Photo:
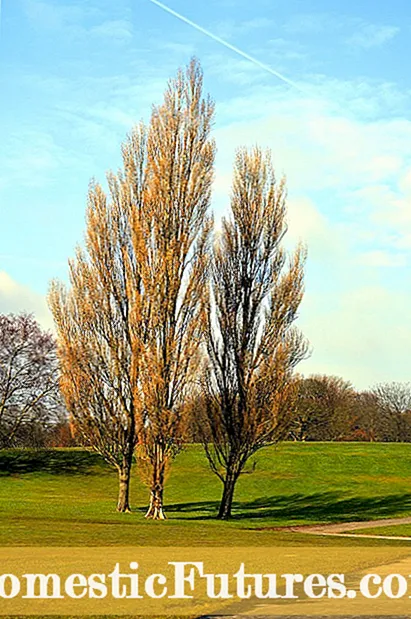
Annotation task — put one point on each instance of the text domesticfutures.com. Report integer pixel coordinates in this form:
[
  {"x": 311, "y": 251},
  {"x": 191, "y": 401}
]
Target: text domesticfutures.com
[{"x": 187, "y": 576}]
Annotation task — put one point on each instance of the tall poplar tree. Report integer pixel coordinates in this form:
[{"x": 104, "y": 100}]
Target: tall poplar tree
[
  {"x": 98, "y": 320},
  {"x": 252, "y": 344},
  {"x": 180, "y": 155}
]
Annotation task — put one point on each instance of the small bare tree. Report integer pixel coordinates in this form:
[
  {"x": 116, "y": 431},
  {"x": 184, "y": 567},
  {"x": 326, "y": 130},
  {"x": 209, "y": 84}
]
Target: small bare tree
[
  {"x": 373, "y": 422},
  {"x": 252, "y": 346},
  {"x": 325, "y": 409},
  {"x": 394, "y": 401},
  {"x": 394, "y": 397},
  {"x": 29, "y": 394},
  {"x": 306, "y": 415},
  {"x": 180, "y": 155}
]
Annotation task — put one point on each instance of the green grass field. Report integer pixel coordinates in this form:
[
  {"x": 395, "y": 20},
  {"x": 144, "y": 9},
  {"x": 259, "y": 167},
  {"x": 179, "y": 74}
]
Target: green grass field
[{"x": 291, "y": 484}]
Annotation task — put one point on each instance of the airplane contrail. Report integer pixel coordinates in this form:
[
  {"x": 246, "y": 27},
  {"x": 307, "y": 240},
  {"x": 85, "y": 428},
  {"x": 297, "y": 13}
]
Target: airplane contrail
[{"x": 233, "y": 48}]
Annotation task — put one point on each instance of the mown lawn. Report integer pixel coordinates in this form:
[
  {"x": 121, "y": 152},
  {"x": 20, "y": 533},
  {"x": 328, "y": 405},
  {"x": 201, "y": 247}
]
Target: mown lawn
[{"x": 292, "y": 484}]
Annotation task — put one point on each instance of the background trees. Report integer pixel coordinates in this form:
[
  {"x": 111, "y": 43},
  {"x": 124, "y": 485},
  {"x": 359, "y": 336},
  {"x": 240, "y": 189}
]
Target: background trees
[
  {"x": 394, "y": 397},
  {"x": 252, "y": 347},
  {"x": 393, "y": 402},
  {"x": 329, "y": 409},
  {"x": 325, "y": 409},
  {"x": 29, "y": 395},
  {"x": 373, "y": 423}
]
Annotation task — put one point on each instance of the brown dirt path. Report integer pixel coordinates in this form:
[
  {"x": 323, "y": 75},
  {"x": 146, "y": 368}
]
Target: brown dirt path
[{"x": 345, "y": 527}]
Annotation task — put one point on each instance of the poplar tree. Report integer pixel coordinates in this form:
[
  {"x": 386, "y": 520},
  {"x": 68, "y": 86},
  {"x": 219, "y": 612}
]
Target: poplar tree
[
  {"x": 98, "y": 321},
  {"x": 253, "y": 347},
  {"x": 180, "y": 155}
]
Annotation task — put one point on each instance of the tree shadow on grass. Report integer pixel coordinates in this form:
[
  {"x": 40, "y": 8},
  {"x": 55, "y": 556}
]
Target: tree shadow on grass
[{"x": 321, "y": 506}]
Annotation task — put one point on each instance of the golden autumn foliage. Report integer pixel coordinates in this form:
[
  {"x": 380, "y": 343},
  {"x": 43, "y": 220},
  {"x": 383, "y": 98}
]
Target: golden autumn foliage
[
  {"x": 98, "y": 322},
  {"x": 180, "y": 156}
]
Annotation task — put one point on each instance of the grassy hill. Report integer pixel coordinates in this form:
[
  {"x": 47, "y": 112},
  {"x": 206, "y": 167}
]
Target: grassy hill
[{"x": 68, "y": 497}]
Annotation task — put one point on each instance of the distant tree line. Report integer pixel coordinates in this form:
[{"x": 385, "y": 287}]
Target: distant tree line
[
  {"x": 329, "y": 409},
  {"x": 324, "y": 408}
]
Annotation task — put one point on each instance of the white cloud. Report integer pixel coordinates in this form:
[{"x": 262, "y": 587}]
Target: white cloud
[
  {"x": 307, "y": 224},
  {"x": 311, "y": 23},
  {"x": 389, "y": 206},
  {"x": 228, "y": 28},
  {"x": 363, "y": 35},
  {"x": 282, "y": 49},
  {"x": 16, "y": 298},
  {"x": 120, "y": 29},
  {"x": 365, "y": 336},
  {"x": 77, "y": 19},
  {"x": 405, "y": 183},
  {"x": 372, "y": 35},
  {"x": 32, "y": 157},
  {"x": 318, "y": 148},
  {"x": 380, "y": 258},
  {"x": 53, "y": 16}
]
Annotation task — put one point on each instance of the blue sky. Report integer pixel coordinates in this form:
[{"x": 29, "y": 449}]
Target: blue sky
[{"x": 75, "y": 77}]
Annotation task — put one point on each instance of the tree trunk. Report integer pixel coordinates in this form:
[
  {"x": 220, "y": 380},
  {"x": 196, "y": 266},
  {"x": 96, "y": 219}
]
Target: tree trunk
[
  {"x": 224, "y": 512},
  {"x": 124, "y": 474},
  {"x": 156, "y": 510}
]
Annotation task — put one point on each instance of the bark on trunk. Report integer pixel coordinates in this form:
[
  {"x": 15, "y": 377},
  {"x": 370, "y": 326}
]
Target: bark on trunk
[
  {"x": 124, "y": 474},
  {"x": 224, "y": 512},
  {"x": 156, "y": 509}
]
